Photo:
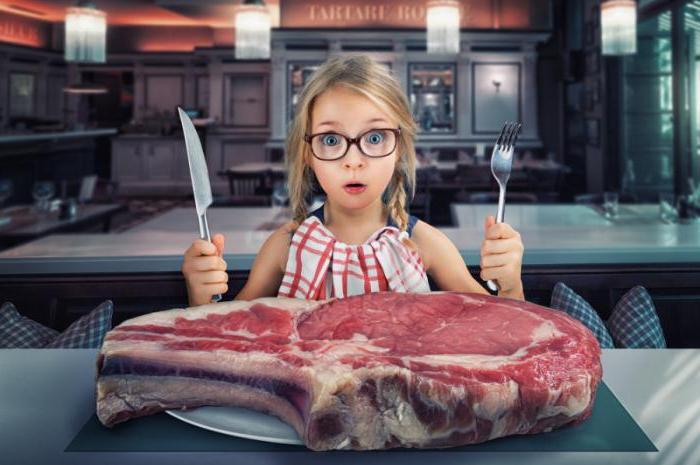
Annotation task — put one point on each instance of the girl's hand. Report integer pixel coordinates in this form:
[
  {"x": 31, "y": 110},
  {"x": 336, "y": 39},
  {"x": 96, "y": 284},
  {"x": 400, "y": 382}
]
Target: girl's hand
[
  {"x": 502, "y": 258},
  {"x": 205, "y": 270}
]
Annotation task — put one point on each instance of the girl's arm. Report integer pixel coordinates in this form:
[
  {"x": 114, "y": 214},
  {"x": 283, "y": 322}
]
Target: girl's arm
[
  {"x": 268, "y": 267},
  {"x": 444, "y": 263},
  {"x": 442, "y": 260}
]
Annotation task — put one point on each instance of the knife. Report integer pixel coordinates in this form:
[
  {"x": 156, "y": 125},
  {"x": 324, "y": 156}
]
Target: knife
[{"x": 200, "y": 177}]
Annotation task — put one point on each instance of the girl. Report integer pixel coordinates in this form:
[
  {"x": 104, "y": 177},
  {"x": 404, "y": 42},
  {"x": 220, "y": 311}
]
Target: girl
[{"x": 353, "y": 135}]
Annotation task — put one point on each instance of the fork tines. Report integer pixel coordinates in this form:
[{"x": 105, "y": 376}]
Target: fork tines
[{"x": 509, "y": 134}]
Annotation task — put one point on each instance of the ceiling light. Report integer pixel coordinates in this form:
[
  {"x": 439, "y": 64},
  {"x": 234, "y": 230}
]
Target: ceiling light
[
  {"x": 618, "y": 24},
  {"x": 443, "y": 21},
  {"x": 86, "y": 30},
  {"x": 253, "y": 25}
]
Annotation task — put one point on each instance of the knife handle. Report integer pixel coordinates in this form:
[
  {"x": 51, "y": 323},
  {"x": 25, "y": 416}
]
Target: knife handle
[{"x": 206, "y": 235}]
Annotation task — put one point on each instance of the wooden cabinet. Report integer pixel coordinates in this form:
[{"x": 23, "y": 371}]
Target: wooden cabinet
[
  {"x": 126, "y": 161},
  {"x": 164, "y": 93},
  {"x": 150, "y": 166},
  {"x": 246, "y": 100}
]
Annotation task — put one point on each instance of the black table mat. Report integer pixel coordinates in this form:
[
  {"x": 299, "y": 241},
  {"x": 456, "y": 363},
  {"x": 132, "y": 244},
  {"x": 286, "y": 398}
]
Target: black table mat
[{"x": 610, "y": 428}]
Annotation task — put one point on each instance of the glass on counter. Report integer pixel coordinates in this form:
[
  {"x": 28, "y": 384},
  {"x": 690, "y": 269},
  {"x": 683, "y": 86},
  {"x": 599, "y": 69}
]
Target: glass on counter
[
  {"x": 611, "y": 204},
  {"x": 6, "y": 189},
  {"x": 432, "y": 96},
  {"x": 42, "y": 192},
  {"x": 667, "y": 209}
]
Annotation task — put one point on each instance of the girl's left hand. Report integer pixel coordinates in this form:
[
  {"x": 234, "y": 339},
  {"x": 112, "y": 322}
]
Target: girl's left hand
[{"x": 502, "y": 257}]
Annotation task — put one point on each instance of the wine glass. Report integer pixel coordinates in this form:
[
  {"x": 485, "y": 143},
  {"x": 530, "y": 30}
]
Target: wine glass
[
  {"x": 610, "y": 204},
  {"x": 6, "y": 188},
  {"x": 667, "y": 210},
  {"x": 42, "y": 192}
]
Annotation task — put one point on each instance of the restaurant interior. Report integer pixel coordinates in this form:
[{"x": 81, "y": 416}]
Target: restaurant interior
[{"x": 96, "y": 199}]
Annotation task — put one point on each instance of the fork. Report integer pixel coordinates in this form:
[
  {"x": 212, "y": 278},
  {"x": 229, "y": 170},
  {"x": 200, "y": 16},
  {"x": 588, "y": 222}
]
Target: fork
[{"x": 501, "y": 161}]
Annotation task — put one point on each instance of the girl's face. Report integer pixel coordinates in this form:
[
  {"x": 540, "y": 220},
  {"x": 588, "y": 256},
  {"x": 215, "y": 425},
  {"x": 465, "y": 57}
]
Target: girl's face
[{"x": 345, "y": 112}]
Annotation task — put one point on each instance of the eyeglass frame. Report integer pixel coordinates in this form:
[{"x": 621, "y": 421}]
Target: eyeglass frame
[{"x": 353, "y": 140}]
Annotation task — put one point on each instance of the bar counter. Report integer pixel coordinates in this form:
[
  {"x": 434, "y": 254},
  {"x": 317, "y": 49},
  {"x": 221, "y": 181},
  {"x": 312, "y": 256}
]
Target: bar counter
[
  {"x": 558, "y": 235},
  {"x": 57, "y": 278},
  {"x": 42, "y": 136}
]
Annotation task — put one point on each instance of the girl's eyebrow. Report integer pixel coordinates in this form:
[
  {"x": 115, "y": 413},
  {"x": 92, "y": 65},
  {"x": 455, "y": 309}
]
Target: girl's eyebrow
[{"x": 336, "y": 123}]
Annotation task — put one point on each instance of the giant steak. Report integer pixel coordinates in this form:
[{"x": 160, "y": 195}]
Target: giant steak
[{"x": 372, "y": 371}]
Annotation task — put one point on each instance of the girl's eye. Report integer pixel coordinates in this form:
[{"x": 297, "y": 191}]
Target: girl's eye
[
  {"x": 330, "y": 139},
  {"x": 375, "y": 137}
]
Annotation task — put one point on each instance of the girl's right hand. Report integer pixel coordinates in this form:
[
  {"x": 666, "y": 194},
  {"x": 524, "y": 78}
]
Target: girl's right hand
[{"x": 205, "y": 270}]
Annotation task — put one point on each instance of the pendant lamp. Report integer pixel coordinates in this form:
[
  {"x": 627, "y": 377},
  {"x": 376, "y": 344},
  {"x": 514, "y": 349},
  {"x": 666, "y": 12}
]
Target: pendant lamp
[
  {"x": 618, "y": 24},
  {"x": 253, "y": 25},
  {"x": 443, "y": 21},
  {"x": 86, "y": 30}
]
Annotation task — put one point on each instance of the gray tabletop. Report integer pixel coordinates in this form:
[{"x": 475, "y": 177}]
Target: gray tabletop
[
  {"x": 184, "y": 220},
  {"x": 27, "y": 222},
  {"x": 47, "y": 395},
  {"x": 553, "y": 235}
]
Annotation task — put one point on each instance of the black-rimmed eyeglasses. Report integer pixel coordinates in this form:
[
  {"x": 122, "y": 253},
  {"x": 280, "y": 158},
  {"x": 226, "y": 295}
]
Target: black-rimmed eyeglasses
[{"x": 375, "y": 143}]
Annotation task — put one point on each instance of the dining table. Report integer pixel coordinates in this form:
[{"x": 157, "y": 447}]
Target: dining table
[
  {"x": 23, "y": 223},
  {"x": 47, "y": 396}
]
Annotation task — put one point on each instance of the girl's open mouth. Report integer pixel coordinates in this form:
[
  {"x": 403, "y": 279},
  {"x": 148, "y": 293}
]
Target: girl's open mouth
[{"x": 354, "y": 188}]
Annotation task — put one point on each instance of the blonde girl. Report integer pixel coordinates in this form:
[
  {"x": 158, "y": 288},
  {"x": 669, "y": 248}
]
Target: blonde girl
[{"x": 352, "y": 137}]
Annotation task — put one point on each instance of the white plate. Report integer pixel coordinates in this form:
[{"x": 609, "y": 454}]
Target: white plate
[{"x": 240, "y": 422}]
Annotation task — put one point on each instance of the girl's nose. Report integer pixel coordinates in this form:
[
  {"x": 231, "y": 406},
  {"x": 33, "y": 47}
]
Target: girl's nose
[{"x": 354, "y": 158}]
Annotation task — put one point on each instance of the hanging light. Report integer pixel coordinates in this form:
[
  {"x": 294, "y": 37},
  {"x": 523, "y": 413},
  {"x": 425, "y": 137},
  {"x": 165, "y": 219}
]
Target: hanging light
[
  {"x": 618, "y": 24},
  {"x": 86, "y": 28},
  {"x": 443, "y": 26},
  {"x": 253, "y": 25}
]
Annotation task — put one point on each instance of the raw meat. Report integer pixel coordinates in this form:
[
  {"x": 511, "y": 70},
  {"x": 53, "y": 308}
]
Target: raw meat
[{"x": 373, "y": 371}]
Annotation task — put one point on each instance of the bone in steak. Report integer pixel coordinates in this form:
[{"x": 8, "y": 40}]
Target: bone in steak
[{"x": 373, "y": 371}]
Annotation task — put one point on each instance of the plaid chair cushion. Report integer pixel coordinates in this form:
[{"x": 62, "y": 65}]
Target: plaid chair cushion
[
  {"x": 565, "y": 299},
  {"x": 634, "y": 323},
  {"x": 88, "y": 332},
  {"x": 20, "y": 332}
]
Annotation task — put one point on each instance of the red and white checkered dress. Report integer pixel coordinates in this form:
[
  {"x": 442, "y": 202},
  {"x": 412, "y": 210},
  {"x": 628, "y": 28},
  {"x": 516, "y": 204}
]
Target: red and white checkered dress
[{"x": 320, "y": 267}]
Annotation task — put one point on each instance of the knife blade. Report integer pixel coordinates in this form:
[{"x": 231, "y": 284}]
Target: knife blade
[{"x": 201, "y": 188}]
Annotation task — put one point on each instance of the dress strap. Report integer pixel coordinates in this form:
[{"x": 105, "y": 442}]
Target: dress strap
[
  {"x": 318, "y": 213},
  {"x": 412, "y": 220}
]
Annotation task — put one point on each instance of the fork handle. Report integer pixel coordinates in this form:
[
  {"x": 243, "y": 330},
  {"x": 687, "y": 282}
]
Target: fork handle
[
  {"x": 493, "y": 285},
  {"x": 501, "y": 204}
]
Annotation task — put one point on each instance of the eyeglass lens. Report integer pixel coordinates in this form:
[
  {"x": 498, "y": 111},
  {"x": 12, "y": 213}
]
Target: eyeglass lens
[{"x": 374, "y": 143}]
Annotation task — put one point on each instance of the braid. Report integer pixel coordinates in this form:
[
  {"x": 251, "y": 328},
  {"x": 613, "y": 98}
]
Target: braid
[{"x": 396, "y": 203}]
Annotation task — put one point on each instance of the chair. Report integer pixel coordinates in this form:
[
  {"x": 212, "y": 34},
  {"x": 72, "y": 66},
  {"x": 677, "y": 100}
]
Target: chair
[
  {"x": 420, "y": 204},
  {"x": 274, "y": 177},
  {"x": 545, "y": 179},
  {"x": 511, "y": 197},
  {"x": 246, "y": 188},
  {"x": 474, "y": 177},
  {"x": 91, "y": 189}
]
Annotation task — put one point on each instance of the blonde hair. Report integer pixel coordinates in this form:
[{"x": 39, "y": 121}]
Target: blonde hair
[{"x": 369, "y": 78}]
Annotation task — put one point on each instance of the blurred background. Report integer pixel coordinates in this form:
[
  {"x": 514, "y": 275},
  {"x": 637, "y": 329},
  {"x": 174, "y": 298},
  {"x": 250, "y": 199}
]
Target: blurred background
[{"x": 94, "y": 178}]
